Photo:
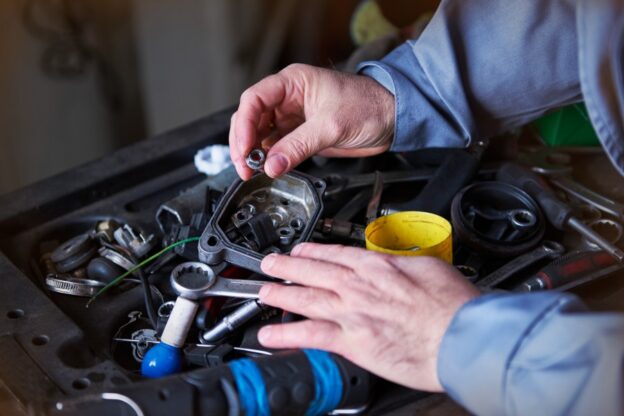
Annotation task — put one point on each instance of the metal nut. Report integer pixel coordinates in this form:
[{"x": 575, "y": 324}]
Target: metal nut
[
  {"x": 255, "y": 159},
  {"x": 286, "y": 235}
]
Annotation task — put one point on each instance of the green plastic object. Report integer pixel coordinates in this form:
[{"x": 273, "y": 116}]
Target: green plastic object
[{"x": 568, "y": 126}]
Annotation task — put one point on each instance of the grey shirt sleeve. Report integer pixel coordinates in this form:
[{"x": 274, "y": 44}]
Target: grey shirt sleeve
[
  {"x": 482, "y": 67},
  {"x": 534, "y": 354}
]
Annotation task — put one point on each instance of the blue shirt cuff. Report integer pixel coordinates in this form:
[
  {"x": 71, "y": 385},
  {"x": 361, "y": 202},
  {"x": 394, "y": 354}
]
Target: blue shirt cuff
[{"x": 420, "y": 117}]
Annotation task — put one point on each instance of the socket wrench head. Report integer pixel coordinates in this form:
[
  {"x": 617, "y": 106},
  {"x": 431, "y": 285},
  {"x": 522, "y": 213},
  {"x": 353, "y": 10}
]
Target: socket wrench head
[{"x": 192, "y": 279}]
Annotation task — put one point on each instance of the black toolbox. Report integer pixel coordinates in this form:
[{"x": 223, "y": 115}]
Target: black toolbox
[{"x": 52, "y": 348}]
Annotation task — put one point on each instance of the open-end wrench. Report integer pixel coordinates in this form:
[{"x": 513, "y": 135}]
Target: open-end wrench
[{"x": 547, "y": 250}]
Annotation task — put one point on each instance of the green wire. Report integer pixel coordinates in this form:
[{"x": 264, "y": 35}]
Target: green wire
[{"x": 140, "y": 265}]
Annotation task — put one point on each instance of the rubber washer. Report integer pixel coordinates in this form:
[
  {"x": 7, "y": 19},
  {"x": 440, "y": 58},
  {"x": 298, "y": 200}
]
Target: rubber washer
[
  {"x": 76, "y": 261},
  {"x": 76, "y": 245}
]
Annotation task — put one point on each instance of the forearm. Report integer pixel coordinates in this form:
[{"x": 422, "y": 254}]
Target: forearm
[
  {"x": 479, "y": 68},
  {"x": 534, "y": 354}
]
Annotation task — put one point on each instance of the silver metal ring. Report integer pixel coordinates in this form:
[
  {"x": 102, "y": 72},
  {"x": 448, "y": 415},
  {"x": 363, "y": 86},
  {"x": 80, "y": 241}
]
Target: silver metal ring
[
  {"x": 522, "y": 218},
  {"x": 73, "y": 286},
  {"x": 116, "y": 258}
]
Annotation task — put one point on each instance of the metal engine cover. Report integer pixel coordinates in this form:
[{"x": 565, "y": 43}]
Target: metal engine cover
[{"x": 293, "y": 201}]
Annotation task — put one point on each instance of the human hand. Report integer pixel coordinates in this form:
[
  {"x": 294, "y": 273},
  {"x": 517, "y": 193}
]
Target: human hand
[
  {"x": 385, "y": 313},
  {"x": 304, "y": 110}
]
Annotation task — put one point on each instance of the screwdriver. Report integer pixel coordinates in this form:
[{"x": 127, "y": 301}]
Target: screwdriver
[
  {"x": 558, "y": 212},
  {"x": 572, "y": 270}
]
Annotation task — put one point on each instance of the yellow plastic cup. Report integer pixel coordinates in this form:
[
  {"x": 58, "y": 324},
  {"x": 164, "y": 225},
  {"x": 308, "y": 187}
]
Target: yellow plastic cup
[{"x": 411, "y": 233}]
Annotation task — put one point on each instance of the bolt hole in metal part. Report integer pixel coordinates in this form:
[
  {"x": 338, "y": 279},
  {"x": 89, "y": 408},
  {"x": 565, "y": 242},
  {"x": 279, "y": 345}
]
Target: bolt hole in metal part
[
  {"x": 469, "y": 272},
  {"x": 255, "y": 159},
  {"x": 15, "y": 314},
  {"x": 40, "y": 340}
]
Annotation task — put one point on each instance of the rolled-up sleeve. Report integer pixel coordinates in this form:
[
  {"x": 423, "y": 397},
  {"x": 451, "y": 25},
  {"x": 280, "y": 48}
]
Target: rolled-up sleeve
[
  {"x": 479, "y": 68},
  {"x": 534, "y": 354}
]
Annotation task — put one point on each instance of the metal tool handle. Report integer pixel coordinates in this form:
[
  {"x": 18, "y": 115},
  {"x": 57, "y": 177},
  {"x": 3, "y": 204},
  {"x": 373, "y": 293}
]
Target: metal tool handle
[
  {"x": 571, "y": 270},
  {"x": 235, "y": 288}
]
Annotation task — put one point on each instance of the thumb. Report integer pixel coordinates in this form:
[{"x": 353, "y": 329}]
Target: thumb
[{"x": 305, "y": 141}]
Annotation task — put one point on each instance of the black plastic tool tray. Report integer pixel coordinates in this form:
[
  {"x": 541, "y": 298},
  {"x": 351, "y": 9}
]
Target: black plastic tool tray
[{"x": 50, "y": 346}]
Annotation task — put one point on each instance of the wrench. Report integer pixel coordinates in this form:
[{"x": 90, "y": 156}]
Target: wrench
[
  {"x": 588, "y": 196},
  {"x": 341, "y": 183},
  {"x": 373, "y": 204},
  {"x": 194, "y": 280},
  {"x": 547, "y": 250},
  {"x": 555, "y": 166}
]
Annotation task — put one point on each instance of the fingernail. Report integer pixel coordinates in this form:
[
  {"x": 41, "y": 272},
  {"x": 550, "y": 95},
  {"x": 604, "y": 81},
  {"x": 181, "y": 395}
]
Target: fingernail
[
  {"x": 277, "y": 164},
  {"x": 264, "y": 334},
  {"x": 268, "y": 261},
  {"x": 264, "y": 291}
]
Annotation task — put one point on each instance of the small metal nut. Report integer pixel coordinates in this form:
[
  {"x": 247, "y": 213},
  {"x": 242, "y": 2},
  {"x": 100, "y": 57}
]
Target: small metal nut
[
  {"x": 286, "y": 235},
  {"x": 255, "y": 159}
]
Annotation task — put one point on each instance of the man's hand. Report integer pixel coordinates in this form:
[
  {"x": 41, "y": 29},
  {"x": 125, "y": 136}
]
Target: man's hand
[
  {"x": 385, "y": 313},
  {"x": 304, "y": 110}
]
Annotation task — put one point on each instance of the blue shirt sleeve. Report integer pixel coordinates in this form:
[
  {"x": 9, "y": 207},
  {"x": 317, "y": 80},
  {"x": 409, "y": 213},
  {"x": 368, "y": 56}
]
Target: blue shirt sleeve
[
  {"x": 534, "y": 354},
  {"x": 479, "y": 68}
]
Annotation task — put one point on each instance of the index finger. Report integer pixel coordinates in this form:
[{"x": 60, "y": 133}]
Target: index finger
[
  {"x": 262, "y": 97},
  {"x": 239, "y": 162}
]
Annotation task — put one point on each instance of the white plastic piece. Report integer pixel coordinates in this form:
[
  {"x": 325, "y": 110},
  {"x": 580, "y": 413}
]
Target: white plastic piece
[
  {"x": 179, "y": 322},
  {"x": 213, "y": 159}
]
